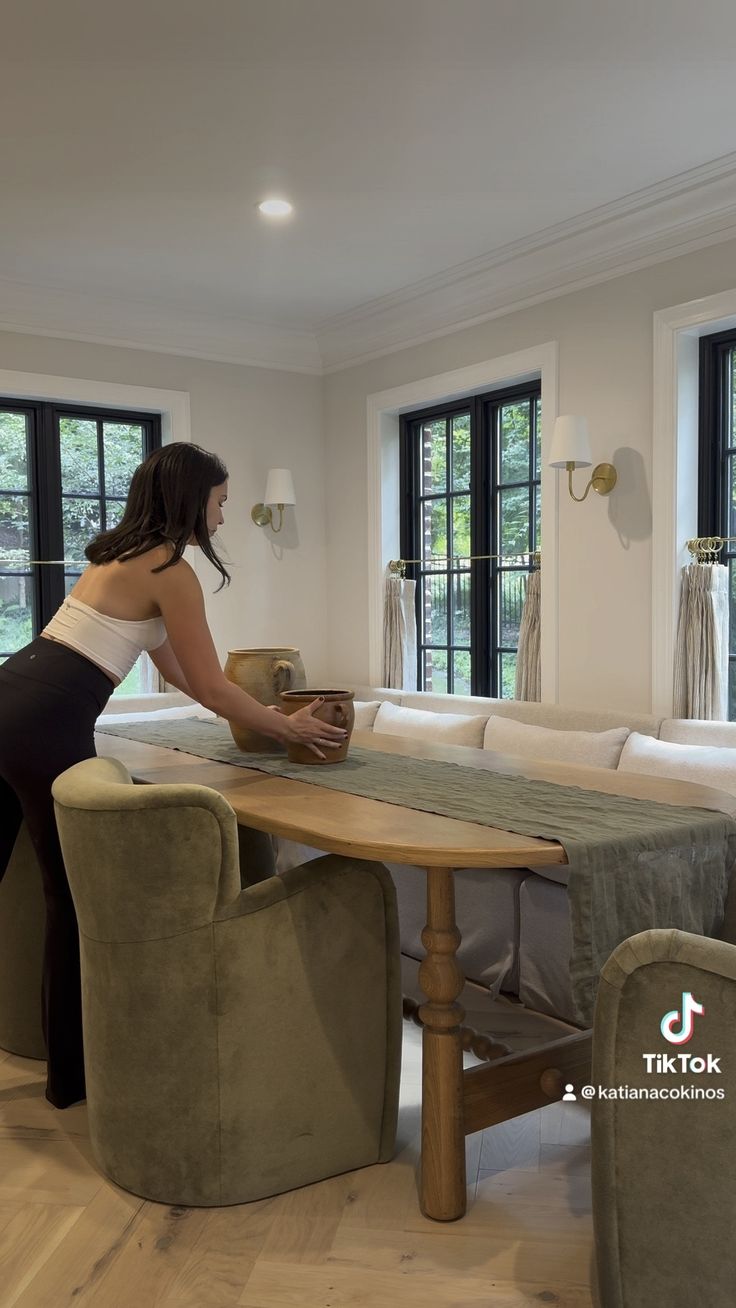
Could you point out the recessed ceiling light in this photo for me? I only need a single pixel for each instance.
(276, 208)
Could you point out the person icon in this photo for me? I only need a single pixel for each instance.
(569, 1096)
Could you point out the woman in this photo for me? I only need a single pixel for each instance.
(138, 593)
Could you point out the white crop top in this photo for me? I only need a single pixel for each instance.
(113, 643)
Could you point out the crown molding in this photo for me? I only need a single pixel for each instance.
(142, 325)
(672, 218)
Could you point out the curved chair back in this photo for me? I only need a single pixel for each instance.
(22, 924)
(664, 1192)
(237, 1042)
(143, 861)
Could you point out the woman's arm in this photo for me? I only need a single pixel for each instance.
(179, 596)
(167, 663)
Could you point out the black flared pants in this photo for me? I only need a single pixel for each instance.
(50, 698)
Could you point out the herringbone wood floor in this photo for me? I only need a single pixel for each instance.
(68, 1237)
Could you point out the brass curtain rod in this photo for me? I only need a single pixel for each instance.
(400, 565)
(705, 548)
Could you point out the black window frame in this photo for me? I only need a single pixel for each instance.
(717, 463)
(485, 573)
(45, 488)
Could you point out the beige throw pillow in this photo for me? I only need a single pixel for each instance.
(595, 749)
(708, 765)
(437, 728)
(365, 713)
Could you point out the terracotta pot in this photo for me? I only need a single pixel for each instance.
(263, 673)
(337, 710)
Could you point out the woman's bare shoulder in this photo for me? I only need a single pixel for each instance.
(178, 579)
(128, 567)
(153, 558)
(133, 588)
(147, 565)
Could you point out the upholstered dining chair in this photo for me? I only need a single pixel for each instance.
(238, 1043)
(664, 1192)
(22, 925)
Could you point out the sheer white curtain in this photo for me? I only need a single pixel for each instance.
(701, 650)
(528, 658)
(151, 679)
(399, 632)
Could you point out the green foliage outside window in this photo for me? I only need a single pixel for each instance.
(83, 501)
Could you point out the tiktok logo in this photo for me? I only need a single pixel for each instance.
(668, 1025)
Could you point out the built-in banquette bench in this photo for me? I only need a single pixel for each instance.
(515, 922)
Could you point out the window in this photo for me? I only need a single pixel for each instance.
(717, 467)
(470, 487)
(64, 476)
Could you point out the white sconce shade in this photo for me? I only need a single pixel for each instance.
(279, 487)
(571, 450)
(279, 492)
(570, 443)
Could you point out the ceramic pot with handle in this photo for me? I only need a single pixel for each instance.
(264, 674)
(337, 710)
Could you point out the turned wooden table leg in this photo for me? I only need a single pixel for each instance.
(442, 1186)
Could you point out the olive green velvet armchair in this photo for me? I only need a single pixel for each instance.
(22, 919)
(664, 1187)
(238, 1043)
(22, 925)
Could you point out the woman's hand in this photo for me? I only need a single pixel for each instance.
(304, 729)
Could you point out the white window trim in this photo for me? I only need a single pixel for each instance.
(384, 410)
(173, 406)
(677, 331)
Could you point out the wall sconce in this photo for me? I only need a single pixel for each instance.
(571, 450)
(279, 492)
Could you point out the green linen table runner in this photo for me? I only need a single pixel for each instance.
(634, 863)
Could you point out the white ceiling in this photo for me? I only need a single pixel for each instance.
(411, 136)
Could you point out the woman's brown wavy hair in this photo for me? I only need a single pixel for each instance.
(167, 504)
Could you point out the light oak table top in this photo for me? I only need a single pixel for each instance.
(367, 828)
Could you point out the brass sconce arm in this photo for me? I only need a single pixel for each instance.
(603, 480)
(262, 516)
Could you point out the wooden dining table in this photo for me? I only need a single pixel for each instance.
(455, 1101)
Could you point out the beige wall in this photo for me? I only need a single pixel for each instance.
(254, 418)
(604, 335)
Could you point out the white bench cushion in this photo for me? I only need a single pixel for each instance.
(693, 731)
(596, 749)
(558, 716)
(196, 711)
